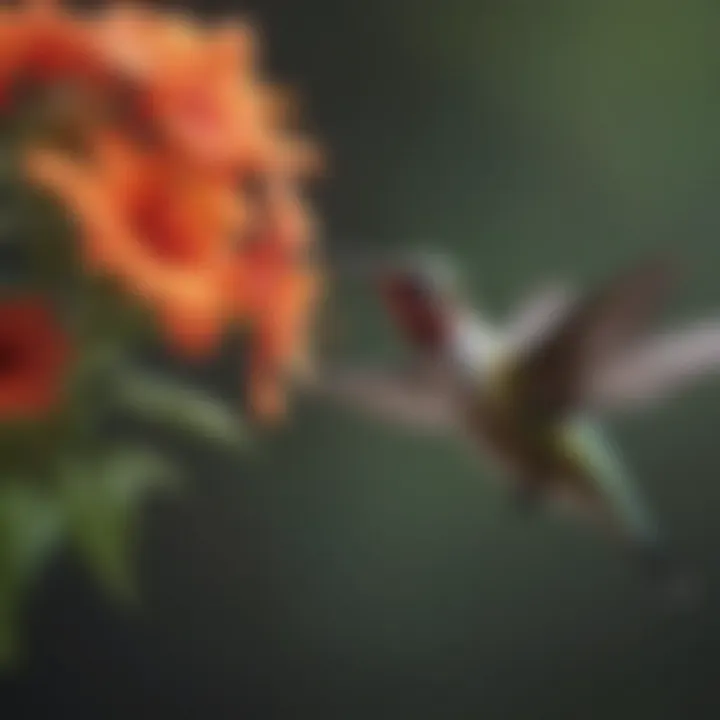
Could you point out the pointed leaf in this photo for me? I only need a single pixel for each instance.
(30, 529)
(103, 499)
(174, 405)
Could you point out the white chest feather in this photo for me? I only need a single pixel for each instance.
(475, 346)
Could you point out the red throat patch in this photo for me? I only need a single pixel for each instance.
(420, 318)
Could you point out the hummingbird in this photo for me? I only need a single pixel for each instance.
(527, 393)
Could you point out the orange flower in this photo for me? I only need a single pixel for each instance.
(280, 352)
(196, 85)
(34, 358)
(208, 106)
(40, 42)
(276, 288)
(163, 231)
(199, 87)
(164, 217)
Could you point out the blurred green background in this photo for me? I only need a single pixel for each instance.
(346, 571)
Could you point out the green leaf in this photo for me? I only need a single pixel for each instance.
(18, 444)
(158, 400)
(105, 312)
(49, 234)
(90, 395)
(103, 499)
(30, 530)
(31, 447)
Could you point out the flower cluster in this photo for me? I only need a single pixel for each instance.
(150, 171)
(183, 176)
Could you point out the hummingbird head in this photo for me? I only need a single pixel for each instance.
(421, 293)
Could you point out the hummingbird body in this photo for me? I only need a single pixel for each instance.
(569, 462)
(526, 393)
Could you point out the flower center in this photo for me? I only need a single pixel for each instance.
(160, 235)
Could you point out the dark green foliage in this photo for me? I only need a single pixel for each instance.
(62, 485)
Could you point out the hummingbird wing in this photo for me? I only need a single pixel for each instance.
(538, 313)
(658, 367)
(395, 396)
(551, 376)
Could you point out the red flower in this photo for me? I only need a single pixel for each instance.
(34, 358)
